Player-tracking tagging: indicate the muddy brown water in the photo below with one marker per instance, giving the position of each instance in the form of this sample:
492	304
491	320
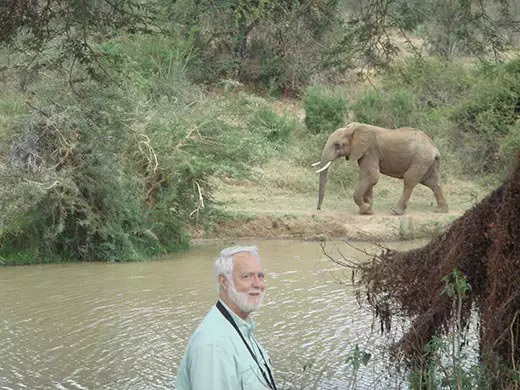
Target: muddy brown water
125	326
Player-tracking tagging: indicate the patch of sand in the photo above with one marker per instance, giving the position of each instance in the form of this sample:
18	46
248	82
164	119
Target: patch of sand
258	211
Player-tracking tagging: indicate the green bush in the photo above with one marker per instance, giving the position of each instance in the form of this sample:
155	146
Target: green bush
274	128
273	75
325	109
158	66
391	109
369	108
403	107
488	114
435	82
510	146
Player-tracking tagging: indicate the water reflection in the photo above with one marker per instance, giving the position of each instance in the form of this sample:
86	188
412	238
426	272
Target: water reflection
125	326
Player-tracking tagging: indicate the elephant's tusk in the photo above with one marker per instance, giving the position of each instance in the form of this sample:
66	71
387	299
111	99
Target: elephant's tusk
316	163
324	168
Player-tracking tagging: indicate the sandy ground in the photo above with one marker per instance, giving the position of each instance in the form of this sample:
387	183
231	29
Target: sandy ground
275	213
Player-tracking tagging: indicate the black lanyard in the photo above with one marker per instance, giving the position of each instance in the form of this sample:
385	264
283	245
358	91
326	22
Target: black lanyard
228	317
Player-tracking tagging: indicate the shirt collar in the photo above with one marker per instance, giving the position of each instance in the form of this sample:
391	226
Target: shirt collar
245	325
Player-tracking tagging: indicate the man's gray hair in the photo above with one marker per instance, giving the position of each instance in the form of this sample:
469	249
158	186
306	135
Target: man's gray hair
224	263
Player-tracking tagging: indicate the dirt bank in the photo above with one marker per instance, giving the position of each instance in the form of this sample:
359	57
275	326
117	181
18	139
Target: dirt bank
328	225
259	211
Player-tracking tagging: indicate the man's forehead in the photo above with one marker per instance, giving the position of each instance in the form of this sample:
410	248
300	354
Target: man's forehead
246	260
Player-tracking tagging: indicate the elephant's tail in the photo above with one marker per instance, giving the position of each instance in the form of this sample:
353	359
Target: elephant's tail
437	160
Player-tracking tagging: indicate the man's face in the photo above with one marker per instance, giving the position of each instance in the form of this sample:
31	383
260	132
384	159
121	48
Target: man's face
246	289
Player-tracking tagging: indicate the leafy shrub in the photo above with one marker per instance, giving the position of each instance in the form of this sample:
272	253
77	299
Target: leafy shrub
403	108
325	109
394	109
273	75
510	146
488	113
434	81
369	108
274	128
157	65
409	14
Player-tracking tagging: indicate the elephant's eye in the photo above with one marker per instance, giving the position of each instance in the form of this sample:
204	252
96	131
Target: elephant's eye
337	145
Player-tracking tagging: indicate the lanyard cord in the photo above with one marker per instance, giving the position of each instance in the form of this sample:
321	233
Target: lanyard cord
228	317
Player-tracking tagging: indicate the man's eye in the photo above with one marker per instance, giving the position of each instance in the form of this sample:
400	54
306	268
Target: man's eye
247	276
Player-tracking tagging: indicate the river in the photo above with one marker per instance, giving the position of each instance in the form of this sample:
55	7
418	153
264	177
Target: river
125	326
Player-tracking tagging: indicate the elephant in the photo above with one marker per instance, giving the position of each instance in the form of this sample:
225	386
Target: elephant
405	153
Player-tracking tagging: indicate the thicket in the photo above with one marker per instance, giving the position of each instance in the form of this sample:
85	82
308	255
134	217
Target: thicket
116	116
116	171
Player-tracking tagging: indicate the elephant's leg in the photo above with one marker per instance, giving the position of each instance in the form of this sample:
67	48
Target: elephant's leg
368	198
359	198
400	207
433	183
364	190
410	181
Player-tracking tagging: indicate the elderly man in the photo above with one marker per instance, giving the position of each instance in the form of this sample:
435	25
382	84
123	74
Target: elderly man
223	353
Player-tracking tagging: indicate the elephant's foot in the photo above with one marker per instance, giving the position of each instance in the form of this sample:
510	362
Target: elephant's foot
442	209
397	211
366	210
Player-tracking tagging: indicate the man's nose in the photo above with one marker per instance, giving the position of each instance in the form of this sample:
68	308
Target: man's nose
258	282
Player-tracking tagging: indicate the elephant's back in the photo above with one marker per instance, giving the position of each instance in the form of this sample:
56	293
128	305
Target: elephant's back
402	148
416	139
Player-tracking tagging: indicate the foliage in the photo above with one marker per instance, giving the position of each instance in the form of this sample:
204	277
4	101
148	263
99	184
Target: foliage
67	29
325	109
439	373
271	132
449	28
107	172
409	14
435	82
488	113
455	27
398	108
355	359
446	359
274	128
510	145
278	45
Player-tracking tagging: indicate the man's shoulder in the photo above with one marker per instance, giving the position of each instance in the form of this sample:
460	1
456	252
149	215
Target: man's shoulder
212	328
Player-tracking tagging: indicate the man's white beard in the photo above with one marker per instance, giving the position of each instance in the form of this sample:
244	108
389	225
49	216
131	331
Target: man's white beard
242	299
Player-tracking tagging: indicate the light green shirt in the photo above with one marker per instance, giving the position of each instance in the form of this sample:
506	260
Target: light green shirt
217	359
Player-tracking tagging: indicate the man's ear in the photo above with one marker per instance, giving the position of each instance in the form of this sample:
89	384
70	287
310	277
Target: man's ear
224	282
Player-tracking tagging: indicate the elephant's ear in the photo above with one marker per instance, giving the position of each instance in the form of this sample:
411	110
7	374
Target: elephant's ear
362	138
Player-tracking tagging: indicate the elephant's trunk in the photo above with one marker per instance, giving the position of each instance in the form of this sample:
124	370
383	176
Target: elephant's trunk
328	155
323	182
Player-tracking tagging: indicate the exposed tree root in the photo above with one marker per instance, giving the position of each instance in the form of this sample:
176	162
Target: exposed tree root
484	244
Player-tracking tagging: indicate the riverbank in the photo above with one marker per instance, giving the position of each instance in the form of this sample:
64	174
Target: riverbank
258	210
